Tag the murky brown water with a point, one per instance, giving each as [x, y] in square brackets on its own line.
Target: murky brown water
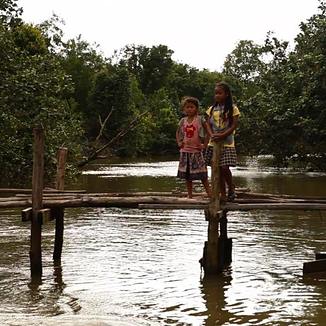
[140, 267]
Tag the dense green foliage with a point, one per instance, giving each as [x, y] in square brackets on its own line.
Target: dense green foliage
[282, 95]
[84, 100]
[33, 90]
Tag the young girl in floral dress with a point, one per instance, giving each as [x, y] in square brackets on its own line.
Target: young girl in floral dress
[190, 137]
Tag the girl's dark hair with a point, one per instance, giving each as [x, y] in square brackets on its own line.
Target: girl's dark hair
[228, 105]
[189, 99]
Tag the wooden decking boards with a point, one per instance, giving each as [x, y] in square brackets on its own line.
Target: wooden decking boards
[165, 200]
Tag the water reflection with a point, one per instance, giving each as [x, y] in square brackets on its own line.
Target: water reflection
[132, 267]
[50, 295]
[213, 290]
[252, 173]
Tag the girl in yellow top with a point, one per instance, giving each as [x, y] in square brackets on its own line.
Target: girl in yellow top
[223, 118]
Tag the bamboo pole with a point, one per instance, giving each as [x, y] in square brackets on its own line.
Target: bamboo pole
[58, 213]
[37, 192]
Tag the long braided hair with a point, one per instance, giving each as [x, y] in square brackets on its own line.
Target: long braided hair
[228, 105]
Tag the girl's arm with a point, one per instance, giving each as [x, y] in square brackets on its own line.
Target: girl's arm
[208, 128]
[228, 131]
[209, 132]
[177, 137]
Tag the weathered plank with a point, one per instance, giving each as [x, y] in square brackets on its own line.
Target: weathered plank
[245, 194]
[171, 206]
[27, 214]
[160, 202]
[315, 266]
[320, 255]
[275, 206]
[16, 204]
[44, 215]
[29, 191]
[8, 199]
[53, 196]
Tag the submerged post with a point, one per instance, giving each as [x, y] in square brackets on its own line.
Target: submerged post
[58, 212]
[37, 198]
[225, 243]
[210, 259]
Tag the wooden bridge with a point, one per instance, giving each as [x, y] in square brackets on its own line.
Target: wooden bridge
[246, 200]
[43, 204]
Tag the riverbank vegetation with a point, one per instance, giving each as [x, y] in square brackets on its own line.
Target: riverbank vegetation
[129, 104]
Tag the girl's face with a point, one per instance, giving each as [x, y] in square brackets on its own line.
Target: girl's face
[220, 95]
[190, 109]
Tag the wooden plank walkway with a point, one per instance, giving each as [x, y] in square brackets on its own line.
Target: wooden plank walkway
[164, 200]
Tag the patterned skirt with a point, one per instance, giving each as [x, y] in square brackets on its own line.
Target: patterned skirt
[192, 166]
[228, 156]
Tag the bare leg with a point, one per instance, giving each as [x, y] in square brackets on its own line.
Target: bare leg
[189, 188]
[228, 177]
[229, 181]
[207, 187]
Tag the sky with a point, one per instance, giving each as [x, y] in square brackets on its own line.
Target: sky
[200, 32]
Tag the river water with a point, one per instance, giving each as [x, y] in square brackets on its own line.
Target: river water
[140, 267]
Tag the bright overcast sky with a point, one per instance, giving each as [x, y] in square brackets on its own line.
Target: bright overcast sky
[200, 32]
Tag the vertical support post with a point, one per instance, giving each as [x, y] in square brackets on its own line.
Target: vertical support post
[210, 260]
[225, 244]
[223, 226]
[37, 198]
[61, 167]
[58, 212]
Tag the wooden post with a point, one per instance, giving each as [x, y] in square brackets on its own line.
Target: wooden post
[225, 244]
[27, 214]
[223, 225]
[61, 167]
[58, 212]
[210, 259]
[37, 196]
[320, 255]
[316, 266]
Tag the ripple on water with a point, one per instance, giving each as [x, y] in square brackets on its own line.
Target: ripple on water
[141, 267]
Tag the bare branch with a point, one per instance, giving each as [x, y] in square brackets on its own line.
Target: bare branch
[118, 136]
[103, 124]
